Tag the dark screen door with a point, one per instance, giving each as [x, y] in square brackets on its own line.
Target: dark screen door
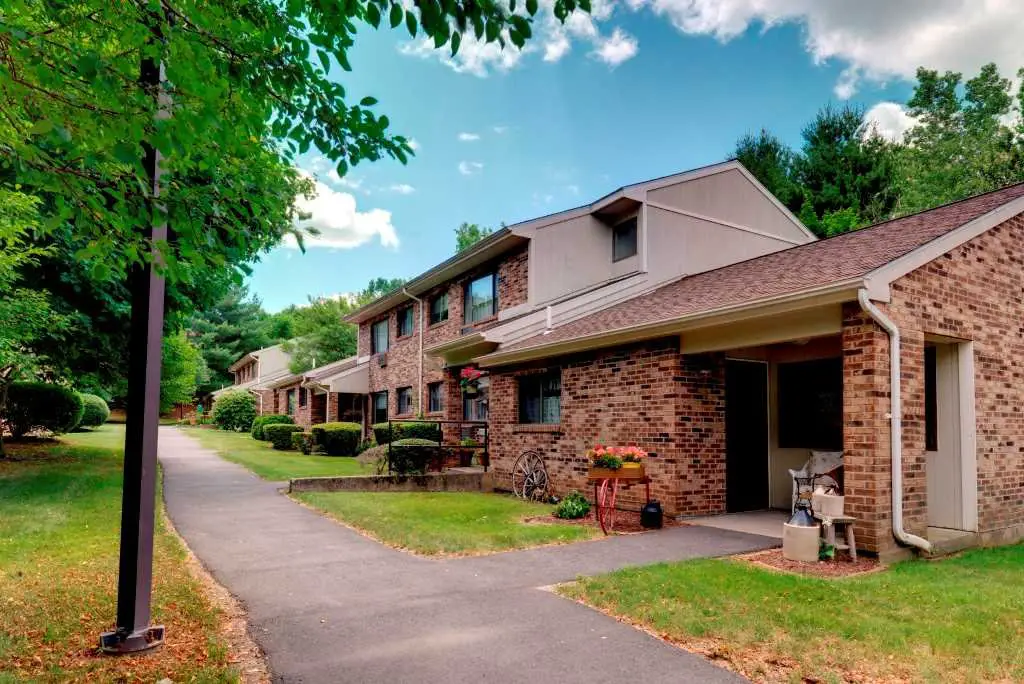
[746, 436]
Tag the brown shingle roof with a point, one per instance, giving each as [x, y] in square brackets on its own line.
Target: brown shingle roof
[816, 264]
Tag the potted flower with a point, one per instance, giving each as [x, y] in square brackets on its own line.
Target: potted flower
[469, 380]
[603, 462]
[611, 462]
[632, 460]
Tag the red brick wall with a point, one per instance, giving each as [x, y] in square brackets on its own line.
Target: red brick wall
[302, 413]
[402, 369]
[649, 395]
[972, 293]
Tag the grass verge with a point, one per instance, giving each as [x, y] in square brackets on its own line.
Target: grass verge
[269, 463]
[446, 523]
[957, 619]
[59, 524]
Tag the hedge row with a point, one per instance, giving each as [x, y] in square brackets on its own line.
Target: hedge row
[260, 422]
[392, 432]
[337, 439]
[280, 434]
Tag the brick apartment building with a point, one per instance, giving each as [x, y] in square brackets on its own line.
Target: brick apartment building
[695, 317]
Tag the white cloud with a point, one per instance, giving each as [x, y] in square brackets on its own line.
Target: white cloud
[350, 182]
[402, 188]
[475, 56]
[556, 46]
[877, 40]
[340, 224]
[469, 137]
[469, 168]
[500, 130]
[573, 188]
[551, 36]
[414, 144]
[890, 120]
[616, 49]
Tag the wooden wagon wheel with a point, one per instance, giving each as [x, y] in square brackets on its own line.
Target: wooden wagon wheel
[530, 477]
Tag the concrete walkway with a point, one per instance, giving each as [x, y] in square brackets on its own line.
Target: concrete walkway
[329, 605]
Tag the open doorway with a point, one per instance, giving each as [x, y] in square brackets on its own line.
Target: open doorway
[746, 436]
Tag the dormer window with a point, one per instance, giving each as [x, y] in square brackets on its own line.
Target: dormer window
[624, 240]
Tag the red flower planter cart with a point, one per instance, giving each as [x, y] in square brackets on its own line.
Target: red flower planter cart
[611, 468]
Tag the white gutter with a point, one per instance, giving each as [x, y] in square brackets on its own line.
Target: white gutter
[419, 381]
[895, 423]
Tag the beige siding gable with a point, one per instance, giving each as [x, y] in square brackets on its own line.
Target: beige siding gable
[731, 197]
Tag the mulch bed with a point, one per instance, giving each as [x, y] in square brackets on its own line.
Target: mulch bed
[842, 566]
[626, 522]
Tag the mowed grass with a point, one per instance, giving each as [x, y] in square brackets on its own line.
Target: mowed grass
[436, 523]
[958, 619]
[269, 463]
[59, 522]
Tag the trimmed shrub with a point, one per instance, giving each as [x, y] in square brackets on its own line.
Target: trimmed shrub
[280, 435]
[425, 430]
[413, 456]
[337, 439]
[573, 506]
[234, 410]
[303, 441]
[260, 422]
[41, 406]
[94, 411]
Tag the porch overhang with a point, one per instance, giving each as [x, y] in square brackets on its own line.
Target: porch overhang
[354, 380]
[462, 349]
[764, 310]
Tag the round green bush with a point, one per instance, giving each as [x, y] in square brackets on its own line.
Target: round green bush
[414, 456]
[337, 439]
[41, 406]
[280, 435]
[303, 441]
[406, 430]
[260, 422]
[94, 411]
[573, 506]
[234, 410]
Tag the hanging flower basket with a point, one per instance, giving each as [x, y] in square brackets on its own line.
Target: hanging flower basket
[469, 380]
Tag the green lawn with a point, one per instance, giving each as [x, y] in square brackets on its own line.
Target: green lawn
[59, 521]
[958, 619]
[269, 463]
[446, 523]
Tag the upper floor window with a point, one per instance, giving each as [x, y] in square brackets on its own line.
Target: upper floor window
[405, 324]
[379, 337]
[540, 398]
[404, 397]
[481, 298]
[624, 240]
[439, 308]
[435, 397]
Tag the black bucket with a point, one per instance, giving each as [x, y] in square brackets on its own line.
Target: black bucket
[651, 516]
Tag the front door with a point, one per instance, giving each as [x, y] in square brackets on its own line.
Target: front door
[746, 436]
[942, 436]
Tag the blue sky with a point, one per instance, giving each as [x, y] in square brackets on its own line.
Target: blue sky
[641, 93]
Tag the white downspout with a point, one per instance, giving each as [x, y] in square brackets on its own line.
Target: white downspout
[895, 423]
[419, 381]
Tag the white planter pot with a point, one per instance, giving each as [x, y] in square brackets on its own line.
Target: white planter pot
[800, 543]
[828, 504]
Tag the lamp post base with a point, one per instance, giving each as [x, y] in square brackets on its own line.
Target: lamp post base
[120, 643]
